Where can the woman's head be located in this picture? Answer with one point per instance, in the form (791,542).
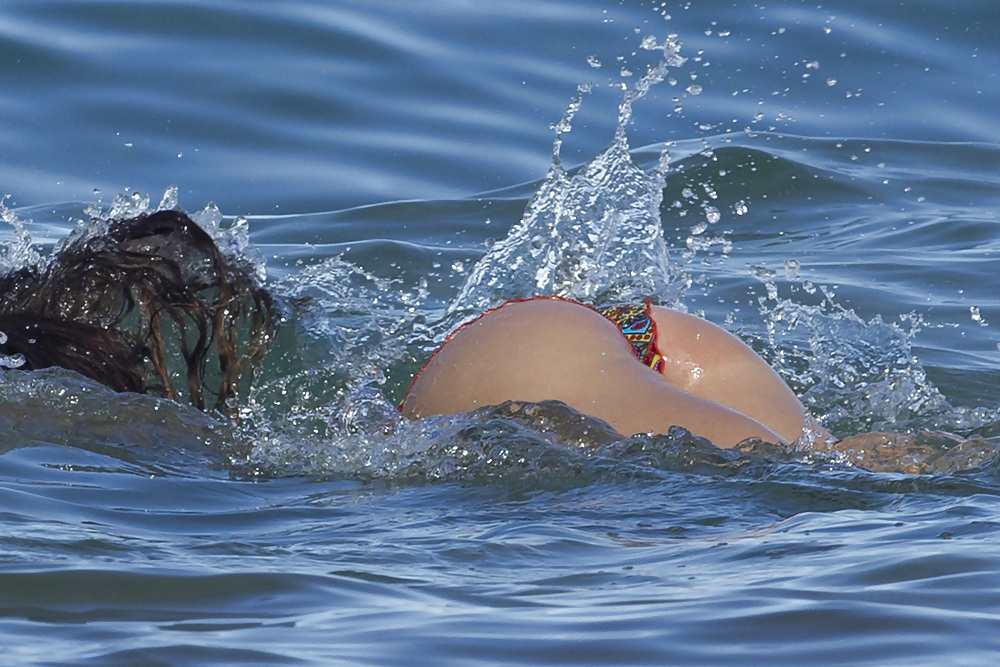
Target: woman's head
(150,305)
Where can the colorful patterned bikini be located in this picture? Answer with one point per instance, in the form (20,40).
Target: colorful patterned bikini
(636,323)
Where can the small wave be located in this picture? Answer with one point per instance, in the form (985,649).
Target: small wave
(528,447)
(516,442)
(56,406)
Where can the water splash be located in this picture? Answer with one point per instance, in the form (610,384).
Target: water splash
(10,360)
(594,235)
(852,374)
(20,252)
(233,240)
(515,444)
(328,375)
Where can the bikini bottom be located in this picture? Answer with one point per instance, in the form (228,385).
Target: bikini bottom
(636,323)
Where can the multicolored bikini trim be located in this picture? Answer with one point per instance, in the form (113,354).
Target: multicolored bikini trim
(637,325)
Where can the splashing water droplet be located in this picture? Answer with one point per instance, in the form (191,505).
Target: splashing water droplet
(792,270)
(169,200)
(21,252)
(10,361)
(209,218)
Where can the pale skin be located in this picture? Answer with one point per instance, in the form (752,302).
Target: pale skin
(712,384)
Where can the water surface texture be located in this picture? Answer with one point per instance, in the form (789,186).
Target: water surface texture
(821,179)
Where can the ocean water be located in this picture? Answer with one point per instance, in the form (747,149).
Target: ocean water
(822,179)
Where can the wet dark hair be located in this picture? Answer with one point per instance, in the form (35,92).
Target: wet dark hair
(150,305)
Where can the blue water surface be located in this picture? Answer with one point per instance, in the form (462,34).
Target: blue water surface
(832,197)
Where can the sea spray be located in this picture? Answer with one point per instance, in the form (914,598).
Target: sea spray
(20,252)
(854,375)
(593,235)
(233,240)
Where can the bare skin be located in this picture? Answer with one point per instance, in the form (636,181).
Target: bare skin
(549,349)
(708,361)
